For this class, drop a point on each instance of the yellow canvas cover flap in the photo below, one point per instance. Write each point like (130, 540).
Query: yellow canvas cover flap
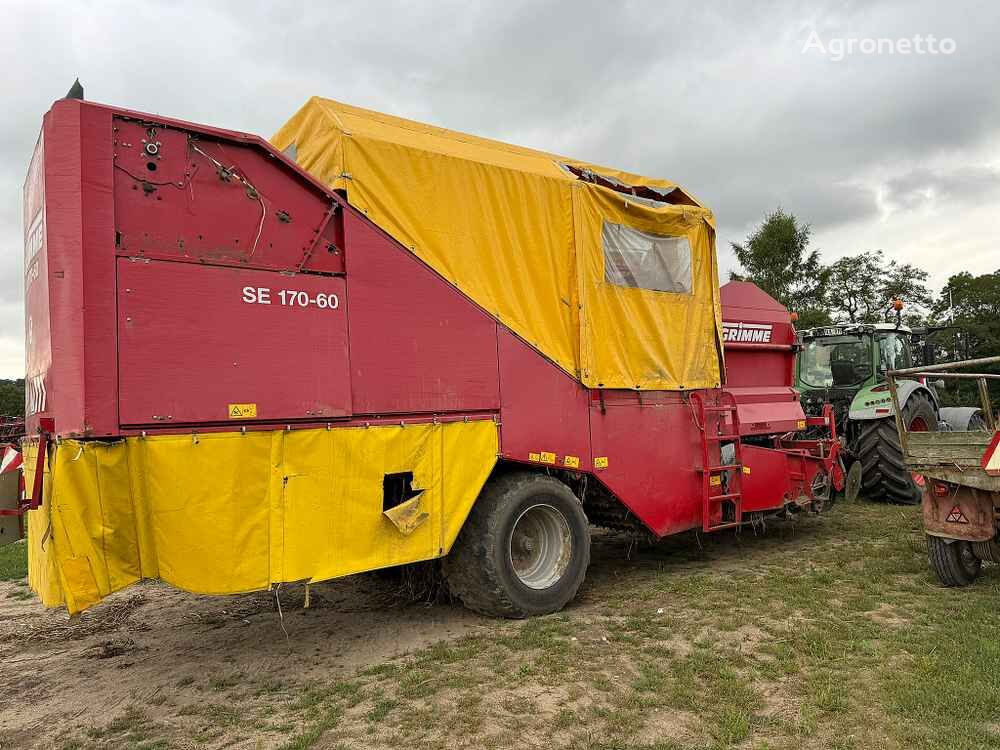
(520, 232)
(228, 512)
(634, 336)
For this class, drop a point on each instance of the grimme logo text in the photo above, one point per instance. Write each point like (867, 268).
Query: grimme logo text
(754, 333)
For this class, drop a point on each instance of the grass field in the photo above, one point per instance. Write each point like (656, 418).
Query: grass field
(823, 633)
(13, 561)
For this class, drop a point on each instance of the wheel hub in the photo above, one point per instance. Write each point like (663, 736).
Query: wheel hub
(540, 546)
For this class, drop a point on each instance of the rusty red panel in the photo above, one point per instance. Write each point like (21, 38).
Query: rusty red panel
(417, 344)
(543, 410)
(956, 511)
(184, 196)
(653, 453)
(194, 339)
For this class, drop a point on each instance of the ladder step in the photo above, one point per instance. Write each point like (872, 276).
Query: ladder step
(727, 496)
(725, 467)
(726, 525)
(721, 408)
(722, 437)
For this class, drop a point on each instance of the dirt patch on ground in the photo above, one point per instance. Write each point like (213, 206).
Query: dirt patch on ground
(151, 640)
(888, 615)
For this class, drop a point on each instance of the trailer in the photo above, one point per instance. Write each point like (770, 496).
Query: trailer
(373, 342)
(959, 474)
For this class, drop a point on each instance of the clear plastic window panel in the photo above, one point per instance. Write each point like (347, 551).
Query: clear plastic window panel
(643, 260)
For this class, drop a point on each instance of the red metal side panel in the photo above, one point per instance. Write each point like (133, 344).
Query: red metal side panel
(768, 410)
(760, 360)
(54, 277)
(543, 410)
(194, 339)
(768, 485)
(653, 452)
(417, 344)
(98, 236)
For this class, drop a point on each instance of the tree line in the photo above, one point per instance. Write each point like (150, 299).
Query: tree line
(861, 288)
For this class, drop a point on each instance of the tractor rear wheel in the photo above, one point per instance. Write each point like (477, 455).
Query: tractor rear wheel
(524, 550)
(954, 562)
(884, 475)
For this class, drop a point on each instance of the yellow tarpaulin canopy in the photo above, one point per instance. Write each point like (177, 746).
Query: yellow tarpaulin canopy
(223, 513)
(610, 275)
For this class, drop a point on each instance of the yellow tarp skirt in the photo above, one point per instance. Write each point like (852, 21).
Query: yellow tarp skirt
(519, 233)
(224, 513)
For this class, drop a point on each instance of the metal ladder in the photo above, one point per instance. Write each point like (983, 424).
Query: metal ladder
(715, 492)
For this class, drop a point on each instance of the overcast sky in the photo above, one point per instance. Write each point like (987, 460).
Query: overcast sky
(748, 105)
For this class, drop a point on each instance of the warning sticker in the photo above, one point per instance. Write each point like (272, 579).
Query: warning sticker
(534, 457)
(956, 515)
(746, 469)
(991, 458)
(547, 458)
(715, 480)
(242, 411)
(601, 462)
(801, 424)
(571, 462)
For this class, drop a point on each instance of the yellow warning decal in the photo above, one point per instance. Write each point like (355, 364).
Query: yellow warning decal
(601, 462)
(802, 424)
(243, 411)
(547, 458)
(746, 469)
(534, 457)
(571, 462)
(715, 481)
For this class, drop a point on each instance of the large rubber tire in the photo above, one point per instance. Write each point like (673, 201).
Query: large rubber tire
(953, 562)
(884, 476)
(480, 569)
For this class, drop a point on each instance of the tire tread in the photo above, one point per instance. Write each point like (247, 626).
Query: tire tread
(469, 568)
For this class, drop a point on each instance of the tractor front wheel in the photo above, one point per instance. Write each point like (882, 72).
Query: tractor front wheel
(953, 562)
(884, 475)
(524, 550)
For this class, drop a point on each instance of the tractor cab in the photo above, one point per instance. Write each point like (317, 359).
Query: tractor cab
(845, 366)
(838, 363)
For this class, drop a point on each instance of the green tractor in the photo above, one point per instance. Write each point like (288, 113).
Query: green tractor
(845, 365)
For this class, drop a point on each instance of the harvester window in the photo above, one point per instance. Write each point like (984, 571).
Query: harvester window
(644, 260)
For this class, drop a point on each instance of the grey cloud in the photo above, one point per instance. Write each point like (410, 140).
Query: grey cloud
(719, 99)
(967, 184)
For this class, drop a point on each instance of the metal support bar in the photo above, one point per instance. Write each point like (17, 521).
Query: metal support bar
(900, 427)
(963, 375)
(984, 395)
(949, 365)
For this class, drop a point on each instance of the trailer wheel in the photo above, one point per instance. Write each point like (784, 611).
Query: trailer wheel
(884, 475)
(954, 563)
(524, 549)
(853, 484)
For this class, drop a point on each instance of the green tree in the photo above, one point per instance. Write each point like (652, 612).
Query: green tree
(862, 288)
(12, 398)
(972, 305)
(776, 257)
